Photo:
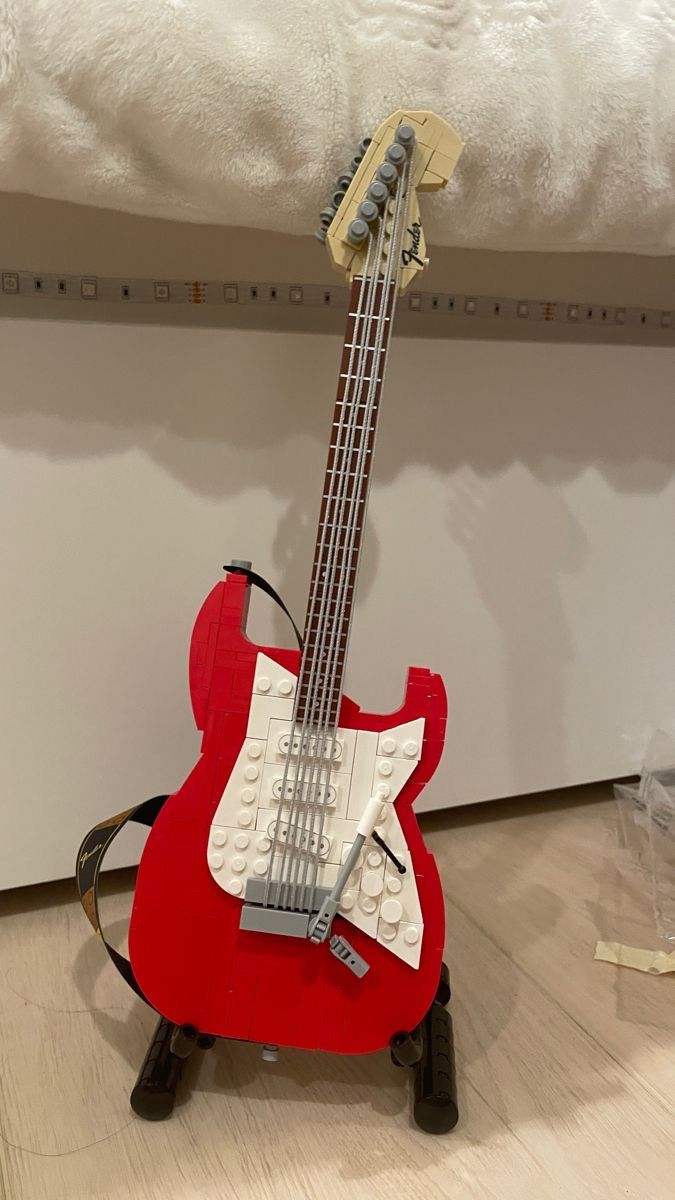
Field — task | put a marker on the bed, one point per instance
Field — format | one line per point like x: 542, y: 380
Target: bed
x: 243, y: 113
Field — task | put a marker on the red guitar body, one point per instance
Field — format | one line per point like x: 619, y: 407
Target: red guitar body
x: 193, y: 962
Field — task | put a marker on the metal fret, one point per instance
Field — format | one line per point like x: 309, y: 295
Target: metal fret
x: 365, y: 378
x: 372, y: 318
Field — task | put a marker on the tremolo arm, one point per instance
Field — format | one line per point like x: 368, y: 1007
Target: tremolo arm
x: 320, y: 926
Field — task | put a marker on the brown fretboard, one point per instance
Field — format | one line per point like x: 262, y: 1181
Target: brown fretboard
x: 343, y: 507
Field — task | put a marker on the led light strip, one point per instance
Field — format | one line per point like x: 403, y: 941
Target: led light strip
x: 90, y: 289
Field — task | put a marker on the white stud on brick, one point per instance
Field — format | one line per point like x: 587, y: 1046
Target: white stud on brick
x: 263, y: 683
x: 244, y: 817
x: 241, y: 841
x: 260, y: 866
x: 388, y: 745
x: 263, y: 843
x: 247, y: 795
x: 285, y: 687
x: 391, y: 911
x: 219, y: 837
x: 371, y: 883
x: 216, y: 860
x: 254, y: 750
x: 234, y: 886
x: 388, y: 932
x: 238, y: 863
x: 385, y: 767
x: 394, y: 884
x: 251, y: 773
x: 412, y: 935
x: 411, y: 748
x: 374, y: 859
x: 368, y: 904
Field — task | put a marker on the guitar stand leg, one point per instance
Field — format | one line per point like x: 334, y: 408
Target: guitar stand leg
x: 429, y: 1050
x: 154, y: 1093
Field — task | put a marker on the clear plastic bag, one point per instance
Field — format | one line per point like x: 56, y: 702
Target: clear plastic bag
x: 647, y: 828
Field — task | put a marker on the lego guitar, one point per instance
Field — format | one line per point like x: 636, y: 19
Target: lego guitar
x: 285, y: 894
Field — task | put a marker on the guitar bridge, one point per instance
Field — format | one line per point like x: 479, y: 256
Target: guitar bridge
x: 266, y: 918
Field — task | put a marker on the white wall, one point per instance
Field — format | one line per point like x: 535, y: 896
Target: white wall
x: 520, y: 536
x: 519, y: 540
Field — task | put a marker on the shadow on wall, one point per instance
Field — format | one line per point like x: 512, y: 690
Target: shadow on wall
x: 499, y: 423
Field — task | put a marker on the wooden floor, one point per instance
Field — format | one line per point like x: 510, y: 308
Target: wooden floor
x: 566, y: 1066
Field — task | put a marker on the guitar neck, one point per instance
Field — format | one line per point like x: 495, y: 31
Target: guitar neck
x: 344, y: 502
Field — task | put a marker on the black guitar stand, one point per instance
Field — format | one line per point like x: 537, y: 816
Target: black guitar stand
x: 428, y: 1051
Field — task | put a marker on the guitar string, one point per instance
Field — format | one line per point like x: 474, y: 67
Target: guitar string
x: 358, y: 510
x: 317, y: 682
x: 323, y: 760
x: 329, y: 694
x: 303, y: 850
x: 283, y: 798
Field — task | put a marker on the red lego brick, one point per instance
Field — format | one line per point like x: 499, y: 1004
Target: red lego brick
x: 192, y: 960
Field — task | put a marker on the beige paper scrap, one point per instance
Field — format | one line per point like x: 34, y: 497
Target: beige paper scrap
x: 654, y: 962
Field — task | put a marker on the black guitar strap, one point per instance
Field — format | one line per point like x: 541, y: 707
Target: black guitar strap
x: 95, y: 845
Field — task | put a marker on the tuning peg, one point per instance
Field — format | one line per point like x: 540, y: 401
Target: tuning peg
x: 378, y: 193
x: 355, y: 162
x: 405, y: 136
x: 387, y: 174
x: 357, y: 232
x: 396, y: 155
x: 363, y: 145
x: 320, y: 235
x: 344, y: 180
x: 326, y: 215
x: 338, y: 197
x: 368, y: 211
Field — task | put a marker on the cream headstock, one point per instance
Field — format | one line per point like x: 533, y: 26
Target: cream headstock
x: 436, y: 151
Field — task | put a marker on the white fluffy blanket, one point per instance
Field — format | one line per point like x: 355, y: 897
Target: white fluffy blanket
x: 242, y: 112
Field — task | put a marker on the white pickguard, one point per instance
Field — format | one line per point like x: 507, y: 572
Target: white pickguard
x: 378, y: 899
